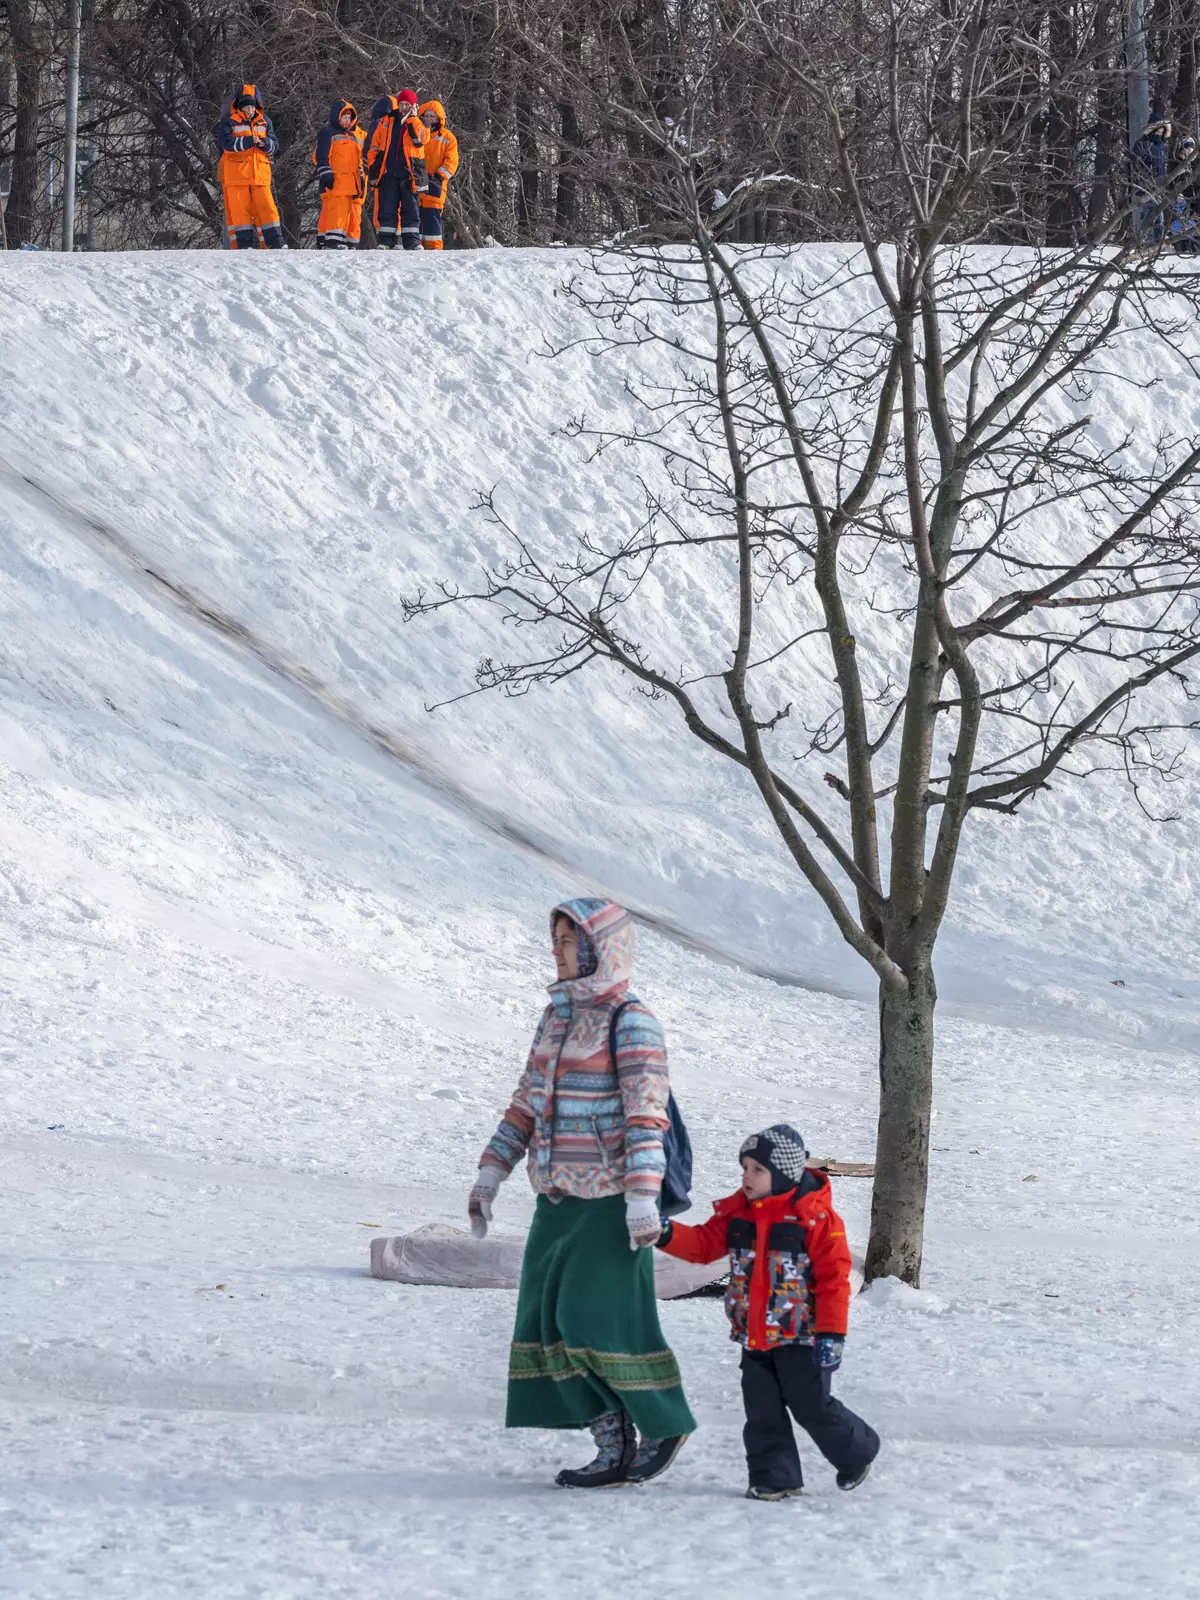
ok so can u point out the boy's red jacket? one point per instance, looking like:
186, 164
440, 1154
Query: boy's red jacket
789, 1277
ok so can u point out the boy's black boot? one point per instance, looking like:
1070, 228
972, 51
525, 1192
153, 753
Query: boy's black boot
616, 1442
851, 1480
654, 1456
755, 1493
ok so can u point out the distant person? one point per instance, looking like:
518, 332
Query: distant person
1149, 171
788, 1303
441, 163
396, 168
341, 178
590, 1113
248, 146
1185, 217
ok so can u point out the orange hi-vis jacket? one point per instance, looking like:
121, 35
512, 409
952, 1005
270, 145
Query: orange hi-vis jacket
341, 151
247, 142
789, 1263
441, 154
397, 143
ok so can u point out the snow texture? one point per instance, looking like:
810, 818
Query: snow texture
273, 942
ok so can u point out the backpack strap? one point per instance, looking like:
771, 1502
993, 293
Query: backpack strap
613, 1022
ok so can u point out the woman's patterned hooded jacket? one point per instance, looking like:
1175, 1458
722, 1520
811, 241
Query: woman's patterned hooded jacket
591, 1126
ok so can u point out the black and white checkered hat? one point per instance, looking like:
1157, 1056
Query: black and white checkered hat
781, 1150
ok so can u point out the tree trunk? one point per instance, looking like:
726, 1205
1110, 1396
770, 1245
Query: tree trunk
1110, 123
902, 1138
20, 213
1185, 76
1062, 136
527, 147
566, 200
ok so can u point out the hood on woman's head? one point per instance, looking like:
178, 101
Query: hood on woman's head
605, 933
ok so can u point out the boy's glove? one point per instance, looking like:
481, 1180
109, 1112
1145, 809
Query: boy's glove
435, 188
642, 1220
324, 178
664, 1238
827, 1347
479, 1201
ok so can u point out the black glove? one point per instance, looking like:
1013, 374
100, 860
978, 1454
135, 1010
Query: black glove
436, 186
324, 178
664, 1238
373, 167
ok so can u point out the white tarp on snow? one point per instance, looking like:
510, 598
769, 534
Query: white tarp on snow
437, 1254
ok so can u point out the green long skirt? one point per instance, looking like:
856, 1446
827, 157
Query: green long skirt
587, 1338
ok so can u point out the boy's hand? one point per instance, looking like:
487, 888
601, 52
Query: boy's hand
827, 1347
479, 1201
642, 1220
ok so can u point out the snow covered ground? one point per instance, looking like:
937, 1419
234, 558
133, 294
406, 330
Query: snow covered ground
265, 988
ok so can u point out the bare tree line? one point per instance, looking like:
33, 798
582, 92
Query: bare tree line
531, 90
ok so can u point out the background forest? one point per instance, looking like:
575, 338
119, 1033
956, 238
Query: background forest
532, 89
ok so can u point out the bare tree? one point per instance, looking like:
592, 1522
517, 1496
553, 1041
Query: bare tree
951, 574
27, 55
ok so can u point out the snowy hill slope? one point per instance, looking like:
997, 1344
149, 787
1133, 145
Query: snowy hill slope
302, 441
264, 988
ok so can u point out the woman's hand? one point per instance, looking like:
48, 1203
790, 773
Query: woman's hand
479, 1201
642, 1220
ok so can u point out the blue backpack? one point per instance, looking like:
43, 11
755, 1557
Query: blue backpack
676, 1193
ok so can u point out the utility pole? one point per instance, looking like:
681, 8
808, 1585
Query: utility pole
1137, 69
72, 140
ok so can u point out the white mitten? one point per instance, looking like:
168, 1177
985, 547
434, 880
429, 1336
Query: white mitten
642, 1220
479, 1202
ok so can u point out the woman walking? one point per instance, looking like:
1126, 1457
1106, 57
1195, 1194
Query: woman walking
590, 1112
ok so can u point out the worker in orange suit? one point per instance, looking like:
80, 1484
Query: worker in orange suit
248, 146
441, 163
341, 178
396, 167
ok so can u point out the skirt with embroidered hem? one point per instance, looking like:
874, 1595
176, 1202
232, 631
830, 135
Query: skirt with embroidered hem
587, 1338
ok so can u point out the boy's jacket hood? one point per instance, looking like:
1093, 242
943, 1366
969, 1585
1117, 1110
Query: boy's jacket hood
335, 114
814, 1185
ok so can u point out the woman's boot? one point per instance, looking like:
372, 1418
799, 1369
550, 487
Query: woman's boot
616, 1441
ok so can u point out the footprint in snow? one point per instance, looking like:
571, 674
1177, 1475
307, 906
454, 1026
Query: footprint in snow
351, 657
267, 391
244, 317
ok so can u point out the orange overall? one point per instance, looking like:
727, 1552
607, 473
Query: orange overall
441, 163
248, 143
338, 159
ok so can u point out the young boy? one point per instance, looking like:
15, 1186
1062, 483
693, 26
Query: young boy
787, 1301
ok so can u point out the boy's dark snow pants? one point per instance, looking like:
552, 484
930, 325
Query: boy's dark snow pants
775, 1382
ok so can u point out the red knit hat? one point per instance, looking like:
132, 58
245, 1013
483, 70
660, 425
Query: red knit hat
407, 97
